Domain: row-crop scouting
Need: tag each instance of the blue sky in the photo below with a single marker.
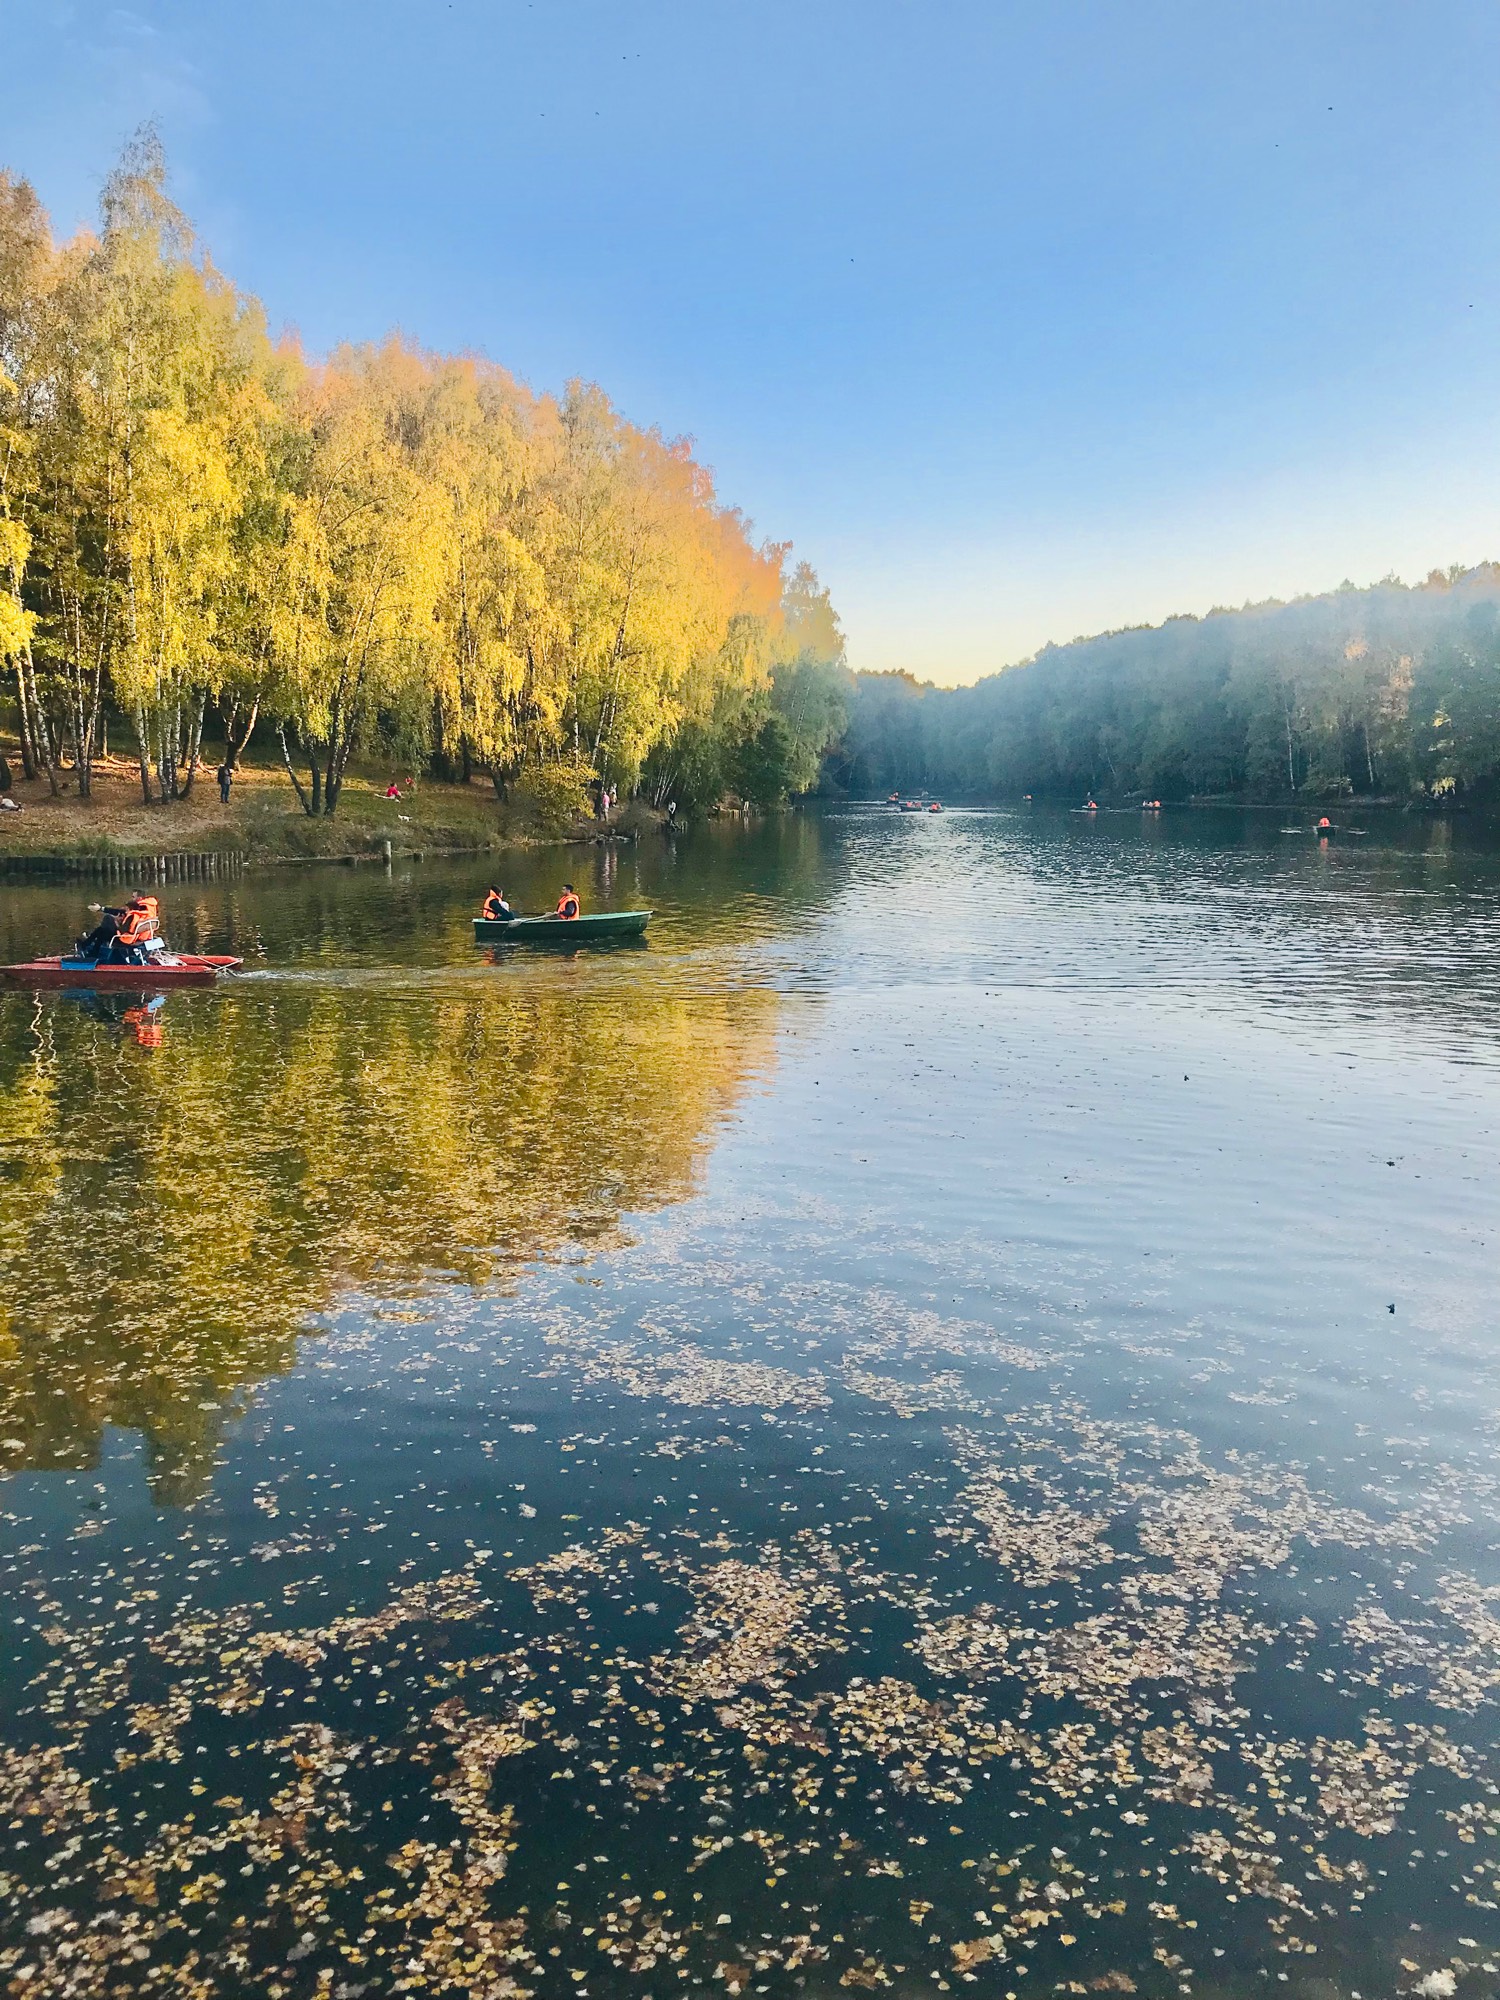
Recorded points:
(1019, 321)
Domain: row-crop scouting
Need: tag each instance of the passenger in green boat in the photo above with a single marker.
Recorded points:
(495, 909)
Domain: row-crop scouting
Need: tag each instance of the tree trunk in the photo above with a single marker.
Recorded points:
(23, 712)
(194, 745)
(143, 753)
(345, 717)
(286, 758)
(234, 748)
(41, 735)
(439, 763)
(85, 726)
(617, 653)
(87, 710)
(159, 756)
(169, 750)
(340, 744)
(332, 776)
(36, 746)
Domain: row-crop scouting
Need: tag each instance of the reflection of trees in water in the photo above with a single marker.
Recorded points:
(169, 1222)
(719, 880)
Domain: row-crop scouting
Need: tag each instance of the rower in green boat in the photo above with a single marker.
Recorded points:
(568, 906)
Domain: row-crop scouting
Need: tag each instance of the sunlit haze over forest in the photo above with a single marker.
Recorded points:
(1018, 323)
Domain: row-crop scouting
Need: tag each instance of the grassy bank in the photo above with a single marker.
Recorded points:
(262, 822)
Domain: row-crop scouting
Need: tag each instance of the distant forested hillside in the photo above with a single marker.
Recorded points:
(1390, 691)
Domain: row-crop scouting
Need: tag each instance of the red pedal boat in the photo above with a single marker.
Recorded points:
(167, 968)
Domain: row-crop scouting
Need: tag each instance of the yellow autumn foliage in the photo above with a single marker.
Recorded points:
(381, 545)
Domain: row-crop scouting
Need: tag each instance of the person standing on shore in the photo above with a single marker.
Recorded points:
(225, 776)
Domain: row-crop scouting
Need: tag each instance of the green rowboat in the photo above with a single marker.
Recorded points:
(561, 930)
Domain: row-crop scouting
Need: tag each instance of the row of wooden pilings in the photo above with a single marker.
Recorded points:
(127, 867)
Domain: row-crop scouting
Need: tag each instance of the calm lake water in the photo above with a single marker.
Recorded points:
(934, 1424)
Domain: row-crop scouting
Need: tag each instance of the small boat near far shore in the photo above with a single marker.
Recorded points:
(165, 969)
(560, 930)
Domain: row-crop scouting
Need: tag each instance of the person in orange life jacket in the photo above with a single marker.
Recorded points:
(567, 902)
(495, 908)
(136, 931)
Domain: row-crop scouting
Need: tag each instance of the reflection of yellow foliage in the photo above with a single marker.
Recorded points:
(171, 1222)
(27, 1109)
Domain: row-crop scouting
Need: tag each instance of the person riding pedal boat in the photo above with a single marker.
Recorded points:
(139, 932)
(97, 943)
(568, 906)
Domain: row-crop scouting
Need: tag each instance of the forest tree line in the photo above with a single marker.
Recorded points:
(206, 534)
(1390, 691)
